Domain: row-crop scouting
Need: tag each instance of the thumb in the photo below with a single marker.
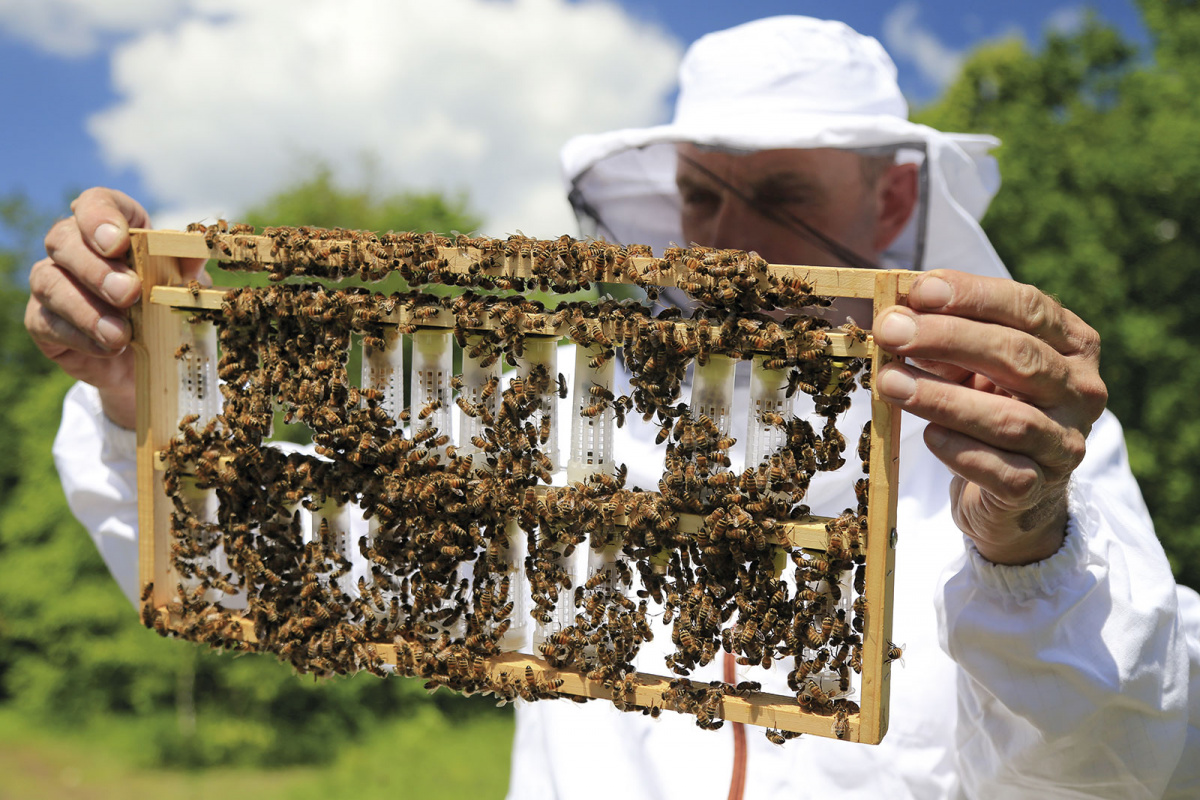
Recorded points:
(104, 217)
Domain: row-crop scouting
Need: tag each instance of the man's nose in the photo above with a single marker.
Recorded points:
(729, 229)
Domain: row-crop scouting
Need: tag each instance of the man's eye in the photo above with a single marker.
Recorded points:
(700, 198)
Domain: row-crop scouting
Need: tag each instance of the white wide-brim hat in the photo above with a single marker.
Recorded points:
(789, 82)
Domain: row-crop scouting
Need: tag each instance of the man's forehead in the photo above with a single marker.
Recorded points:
(812, 167)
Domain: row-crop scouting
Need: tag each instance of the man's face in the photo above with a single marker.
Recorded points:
(824, 187)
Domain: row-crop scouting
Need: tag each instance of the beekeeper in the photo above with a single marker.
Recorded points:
(1048, 650)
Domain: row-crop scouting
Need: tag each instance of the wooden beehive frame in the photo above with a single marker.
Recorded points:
(158, 331)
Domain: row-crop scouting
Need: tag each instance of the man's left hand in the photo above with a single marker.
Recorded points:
(1009, 381)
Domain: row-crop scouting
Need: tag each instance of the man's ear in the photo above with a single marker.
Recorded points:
(895, 199)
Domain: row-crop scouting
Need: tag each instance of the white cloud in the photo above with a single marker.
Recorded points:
(906, 39)
(224, 109)
(74, 28)
(1066, 20)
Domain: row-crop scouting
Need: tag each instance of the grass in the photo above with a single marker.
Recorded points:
(426, 755)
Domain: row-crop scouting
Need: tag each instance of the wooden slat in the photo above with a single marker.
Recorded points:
(881, 540)
(809, 533)
(156, 331)
(840, 345)
(832, 281)
(755, 708)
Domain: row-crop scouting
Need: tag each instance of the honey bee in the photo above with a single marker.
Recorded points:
(775, 736)
(796, 381)
(593, 410)
(841, 724)
(772, 419)
(424, 313)
(840, 629)
(818, 695)
(858, 334)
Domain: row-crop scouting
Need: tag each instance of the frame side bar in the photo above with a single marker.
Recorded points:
(881, 538)
(156, 330)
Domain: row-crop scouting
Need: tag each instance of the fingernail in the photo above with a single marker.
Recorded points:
(110, 330)
(897, 329)
(935, 436)
(106, 237)
(120, 287)
(897, 384)
(932, 293)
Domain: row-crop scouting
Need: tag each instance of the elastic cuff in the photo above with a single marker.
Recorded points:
(1041, 578)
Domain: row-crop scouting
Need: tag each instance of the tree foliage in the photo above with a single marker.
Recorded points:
(1101, 208)
(71, 647)
(320, 202)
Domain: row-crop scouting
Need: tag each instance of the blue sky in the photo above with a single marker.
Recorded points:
(131, 62)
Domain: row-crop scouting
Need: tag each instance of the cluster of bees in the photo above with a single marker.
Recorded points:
(442, 583)
(720, 279)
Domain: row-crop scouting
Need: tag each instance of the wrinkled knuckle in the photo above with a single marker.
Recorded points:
(33, 313)
(1022, 485)
(42, 324)
(1095, 395)
(58, 234)
(1025, 358)
(941, 403)
(60, 327)
(1074, 448)
(1089, 342)
(1034, 306)
(1015, 428)
(1091, 394)
(42, 278)
(90, 196)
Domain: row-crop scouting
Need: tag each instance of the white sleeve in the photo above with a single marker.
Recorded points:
(97, 464)
(1074, 671)
(1185, 782)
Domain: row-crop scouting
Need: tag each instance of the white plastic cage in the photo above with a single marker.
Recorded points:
(432, 369)
(770, 408)
(476, 378)
(712, 391)
(593, 421)
(199, 393)
(383, 371)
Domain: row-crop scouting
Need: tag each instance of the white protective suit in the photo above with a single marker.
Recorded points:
(1071, 677)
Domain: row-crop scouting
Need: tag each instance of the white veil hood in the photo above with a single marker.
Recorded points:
(789, 82)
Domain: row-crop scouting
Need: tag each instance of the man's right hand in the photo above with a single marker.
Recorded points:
(80, 295)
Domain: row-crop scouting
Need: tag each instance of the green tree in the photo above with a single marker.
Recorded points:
(1101, 207)
(320, 202)
(71, 647)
